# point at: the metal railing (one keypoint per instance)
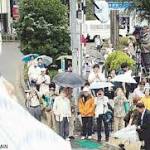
(9, 37)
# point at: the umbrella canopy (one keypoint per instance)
(27, 58)
(125, 78)
(68, 79)
(100, 85)
(64, 57)
(46, 59)
(28, 133)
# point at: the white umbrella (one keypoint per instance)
(46, 59)
(20, 131)
(125, 78)
(100, 85)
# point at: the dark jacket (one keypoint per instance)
(145, 126)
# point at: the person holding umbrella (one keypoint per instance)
(86, 109)
(43, 82)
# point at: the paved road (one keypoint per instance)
(11, 65)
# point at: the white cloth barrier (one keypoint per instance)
(129, 133)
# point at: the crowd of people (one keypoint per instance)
(111, 108)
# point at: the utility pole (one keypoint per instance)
(114, 15)
(73, 28)
(82, 49)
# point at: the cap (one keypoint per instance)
(86, 89)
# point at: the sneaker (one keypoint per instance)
(83, 137)
(89, 137)
(107, 139)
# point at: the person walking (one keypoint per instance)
(101, 104)
(86, 109)
(43, 82)
(119, 110)
(34, 104)
(48, 100)
(69, 92)
(146, 98)
(144, 125)
(62, 111)
(98, 43)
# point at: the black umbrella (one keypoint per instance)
(68, 79)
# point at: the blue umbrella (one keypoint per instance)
(28, 58)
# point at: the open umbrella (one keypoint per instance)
(28, 133)
(46, 59)
(64, 57)
(124, 78)
(100, 85)
(68, 79)
(28, 58)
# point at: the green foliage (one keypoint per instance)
(43, 27)
(116, 59)
(89, 10)
(52, 73)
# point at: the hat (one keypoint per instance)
(86, 89)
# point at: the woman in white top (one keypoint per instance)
(62, 112)
(34, 104)
(101, 103)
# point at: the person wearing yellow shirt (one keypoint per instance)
(146, 98)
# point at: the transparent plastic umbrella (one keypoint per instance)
(68, 79)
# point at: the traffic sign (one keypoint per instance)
(119, 5)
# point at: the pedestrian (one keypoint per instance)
(101, 104)
(48, 100)
(139, 91)
(98, 43)
(146, 98)
(33, 73)
(119, 110)
(43, 82)
(62, 111)
(69, 92)
(86, 110)
(132, 116)
(41, 63)
(34, 104)
(144, 125)
(96, 75)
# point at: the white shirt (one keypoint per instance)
(138, 93)
(34, 72)
(101, 105)
(44, 82)
(34, 101)
(93, 78)
(61, 108)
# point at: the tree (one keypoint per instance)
(116, 59)
(43, 27)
